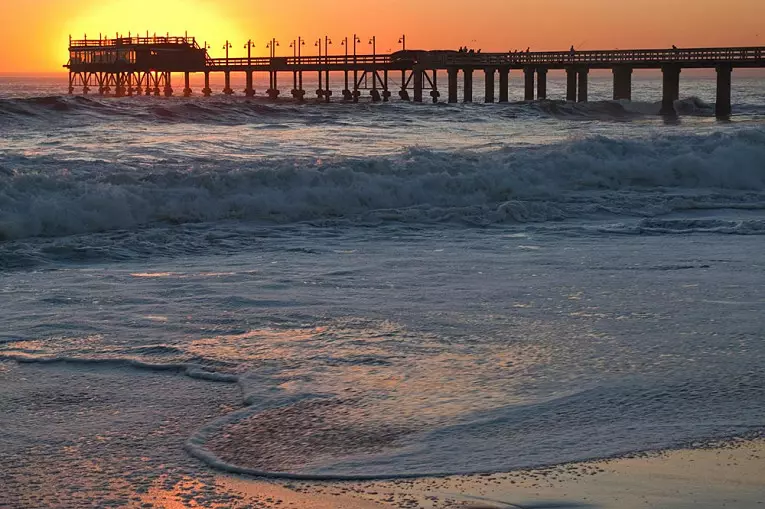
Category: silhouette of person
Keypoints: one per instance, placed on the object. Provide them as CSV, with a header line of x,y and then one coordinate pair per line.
x,y
674,47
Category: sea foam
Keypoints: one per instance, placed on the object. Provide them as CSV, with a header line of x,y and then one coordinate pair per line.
x,y
577,178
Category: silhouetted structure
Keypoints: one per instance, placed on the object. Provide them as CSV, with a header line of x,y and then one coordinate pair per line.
x,y
136,65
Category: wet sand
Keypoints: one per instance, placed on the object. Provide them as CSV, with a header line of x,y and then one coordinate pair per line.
x,y
730,475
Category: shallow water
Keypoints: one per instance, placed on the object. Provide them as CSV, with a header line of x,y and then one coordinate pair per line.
x,y
384,290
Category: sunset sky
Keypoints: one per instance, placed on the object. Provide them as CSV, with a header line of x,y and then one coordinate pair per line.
x,y
34,33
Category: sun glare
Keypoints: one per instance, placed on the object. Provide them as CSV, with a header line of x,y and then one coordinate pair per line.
x,y
204,21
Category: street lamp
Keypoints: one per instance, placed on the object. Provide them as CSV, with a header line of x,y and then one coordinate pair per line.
x,y
295,45
272,46
249,47
402,41
373,42
344,43
226,47
327,42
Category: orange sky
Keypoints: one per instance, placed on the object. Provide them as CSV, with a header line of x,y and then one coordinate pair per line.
x,y
33,33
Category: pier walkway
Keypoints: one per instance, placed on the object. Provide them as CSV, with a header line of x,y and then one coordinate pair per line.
x,y
144,65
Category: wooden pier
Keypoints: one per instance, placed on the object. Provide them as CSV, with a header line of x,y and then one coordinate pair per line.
x,y
126,66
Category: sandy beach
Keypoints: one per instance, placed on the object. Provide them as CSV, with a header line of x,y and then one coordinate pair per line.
x,y
726,475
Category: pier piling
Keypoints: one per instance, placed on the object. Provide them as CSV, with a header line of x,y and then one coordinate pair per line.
x,y
452,73
489,73
583,84
227,87
541,83
528,78
723,103
571,81
622,83
670,89
504,84
468,87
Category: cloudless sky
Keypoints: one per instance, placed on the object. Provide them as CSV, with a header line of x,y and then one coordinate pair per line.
x,y
34,33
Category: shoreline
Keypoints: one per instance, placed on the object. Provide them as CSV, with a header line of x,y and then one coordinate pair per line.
x,y
714,474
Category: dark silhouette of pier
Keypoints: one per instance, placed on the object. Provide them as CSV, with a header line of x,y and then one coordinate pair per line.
x,y
127,66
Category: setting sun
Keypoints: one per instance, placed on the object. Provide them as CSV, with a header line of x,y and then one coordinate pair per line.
x,y
201,20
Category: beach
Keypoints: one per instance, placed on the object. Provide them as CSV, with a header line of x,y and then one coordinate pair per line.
x,y
722,475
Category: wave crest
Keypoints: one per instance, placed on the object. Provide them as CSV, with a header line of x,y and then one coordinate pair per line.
x,y
579,178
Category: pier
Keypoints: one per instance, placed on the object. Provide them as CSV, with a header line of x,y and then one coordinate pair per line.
x,y
127,66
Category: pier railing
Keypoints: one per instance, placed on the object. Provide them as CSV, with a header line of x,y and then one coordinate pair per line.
x,y
444,59
331,60
602,58
133,41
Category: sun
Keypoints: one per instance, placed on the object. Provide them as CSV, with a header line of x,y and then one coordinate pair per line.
x,y
204,21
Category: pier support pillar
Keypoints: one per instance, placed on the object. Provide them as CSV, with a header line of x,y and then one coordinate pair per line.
x,y
207,91
297,92
327,91
468,91
168,85
273,89
130,89
504,82
528,77
622,83
723,106
571,84
670,89
583,74
541,83
489,79
418,83
227,87
386,93
156,84
119,89
452,78
434,93
187,87
249,90
86,83
320,90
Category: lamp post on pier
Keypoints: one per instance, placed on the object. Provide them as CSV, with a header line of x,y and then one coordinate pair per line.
x,y
207,91
402,42
249,47
227,73
346,92
249,90
273,91
272,45
295,45
226,47
373,43
297,76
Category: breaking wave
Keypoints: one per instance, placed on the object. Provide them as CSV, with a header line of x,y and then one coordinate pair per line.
x,y
587,177
238,111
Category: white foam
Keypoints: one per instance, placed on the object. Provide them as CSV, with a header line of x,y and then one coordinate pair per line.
x,y
575,178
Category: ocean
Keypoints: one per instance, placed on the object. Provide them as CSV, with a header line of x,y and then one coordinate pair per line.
x,y
339,291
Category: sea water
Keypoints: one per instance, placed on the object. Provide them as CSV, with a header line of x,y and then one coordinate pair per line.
x,y
373,290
